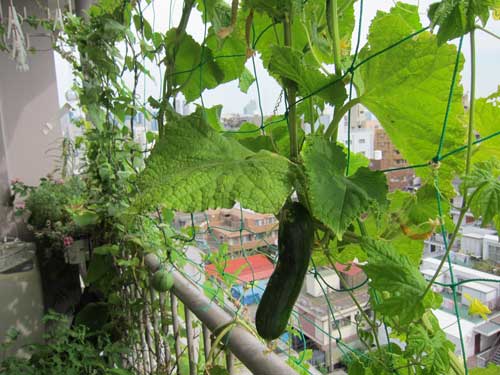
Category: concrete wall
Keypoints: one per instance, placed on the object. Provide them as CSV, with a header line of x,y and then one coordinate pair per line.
x,y
28,100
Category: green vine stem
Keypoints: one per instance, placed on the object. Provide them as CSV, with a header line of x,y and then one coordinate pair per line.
x,y
333,128
167,89
332,19
291,96
488,32
311,109
470,140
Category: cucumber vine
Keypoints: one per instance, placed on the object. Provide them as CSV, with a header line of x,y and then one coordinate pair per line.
x,y
402,75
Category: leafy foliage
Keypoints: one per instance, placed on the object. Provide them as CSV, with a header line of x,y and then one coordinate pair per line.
x,y
245,81
487,111
289,64
485,201
68,351
399,284
458,17
336,199
192,166
407,89
491,369
276,139
217,172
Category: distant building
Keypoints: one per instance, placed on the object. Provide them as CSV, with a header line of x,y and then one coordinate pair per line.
x,y
315,319
233,122
481,337
250,108
362,132
324,119
481,243
391,158
182,107
252,231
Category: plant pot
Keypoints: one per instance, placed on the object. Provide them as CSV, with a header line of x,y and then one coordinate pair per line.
x,y
60,280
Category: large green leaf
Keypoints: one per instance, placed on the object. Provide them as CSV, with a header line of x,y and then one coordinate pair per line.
x,y
193,168
407,89
410,209
217,12
485,180
313,20
274,8
289,64
245,81
275,139
268,33
399,284
187,66
458,17
337,200
433,348
486,122
229,54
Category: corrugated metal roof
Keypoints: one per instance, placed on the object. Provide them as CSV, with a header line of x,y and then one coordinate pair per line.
x,y
254,267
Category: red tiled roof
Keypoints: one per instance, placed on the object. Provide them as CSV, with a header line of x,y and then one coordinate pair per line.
x,y
260,264
349,269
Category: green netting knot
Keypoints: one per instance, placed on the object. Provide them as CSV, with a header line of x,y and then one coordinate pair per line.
x,y
435,163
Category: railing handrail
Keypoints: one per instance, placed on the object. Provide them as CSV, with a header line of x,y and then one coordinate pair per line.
x,y
244,345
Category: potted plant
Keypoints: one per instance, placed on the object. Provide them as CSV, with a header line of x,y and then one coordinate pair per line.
x,y
55,212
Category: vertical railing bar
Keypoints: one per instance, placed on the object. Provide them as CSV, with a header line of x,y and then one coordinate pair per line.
x,y
149,341
143,345
229,362
156,328
190,338
127,295
175,325
206,341
164,327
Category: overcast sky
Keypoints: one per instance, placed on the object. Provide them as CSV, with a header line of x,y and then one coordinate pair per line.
x,y
233,100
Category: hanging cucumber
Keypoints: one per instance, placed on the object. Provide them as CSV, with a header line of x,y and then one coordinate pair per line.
x,y
295,242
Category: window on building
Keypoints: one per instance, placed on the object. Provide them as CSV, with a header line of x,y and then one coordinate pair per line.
x,y
433,248
341,322
362,140
259,222
494,252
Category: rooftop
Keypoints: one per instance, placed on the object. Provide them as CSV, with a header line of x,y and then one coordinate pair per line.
x,y
340,301
254,267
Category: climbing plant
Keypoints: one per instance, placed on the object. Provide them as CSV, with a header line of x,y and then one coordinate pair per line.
x,y
407,74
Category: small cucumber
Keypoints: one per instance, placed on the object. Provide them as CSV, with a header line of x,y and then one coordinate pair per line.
x,y
162,281
295,242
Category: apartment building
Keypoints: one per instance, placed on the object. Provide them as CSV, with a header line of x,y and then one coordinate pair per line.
x,y
481,243
481,337
241,230
390,157
325,313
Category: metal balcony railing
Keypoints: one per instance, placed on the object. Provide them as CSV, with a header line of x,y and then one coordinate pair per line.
x,y
153,353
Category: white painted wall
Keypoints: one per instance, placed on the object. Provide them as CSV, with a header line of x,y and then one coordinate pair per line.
x,y
28,100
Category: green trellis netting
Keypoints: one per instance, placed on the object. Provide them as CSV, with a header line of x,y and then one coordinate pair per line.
x,y
434,163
